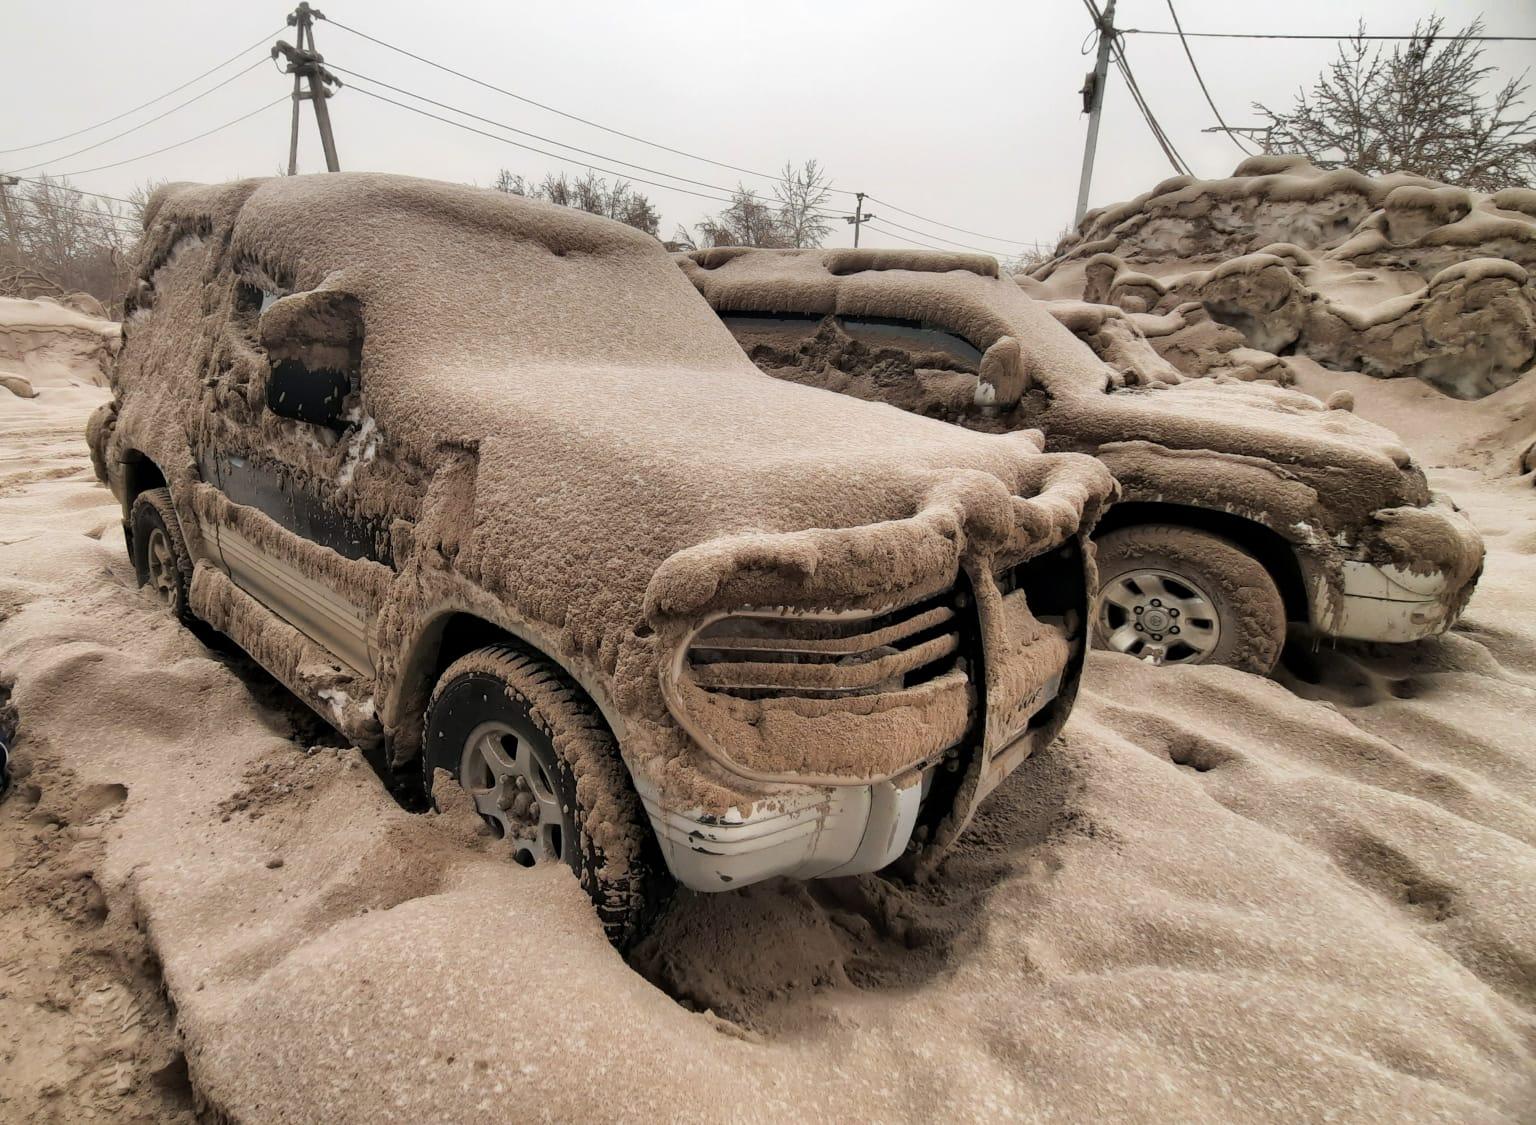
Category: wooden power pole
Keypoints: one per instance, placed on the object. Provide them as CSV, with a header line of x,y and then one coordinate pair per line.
x,y
1093,103
307,67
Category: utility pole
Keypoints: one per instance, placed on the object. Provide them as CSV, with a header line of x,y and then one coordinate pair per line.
x,y
1093,103
307,67
5,208
859,216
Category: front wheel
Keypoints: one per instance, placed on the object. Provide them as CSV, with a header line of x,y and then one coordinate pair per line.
x,y
1174,595
544,772
160,556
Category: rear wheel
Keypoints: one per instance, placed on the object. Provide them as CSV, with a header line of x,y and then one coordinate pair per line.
x,y
1174,595
544,772
160,555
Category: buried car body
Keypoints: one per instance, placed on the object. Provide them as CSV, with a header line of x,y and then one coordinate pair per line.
x,y
486,483
1243,507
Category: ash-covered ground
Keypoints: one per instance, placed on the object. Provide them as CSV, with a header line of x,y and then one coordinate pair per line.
x,y
1215,897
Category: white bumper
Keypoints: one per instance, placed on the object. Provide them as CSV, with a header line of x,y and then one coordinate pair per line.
x,y
846,830
1386,603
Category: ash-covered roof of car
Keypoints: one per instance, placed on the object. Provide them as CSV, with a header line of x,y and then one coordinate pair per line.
x,y
846,261
962,292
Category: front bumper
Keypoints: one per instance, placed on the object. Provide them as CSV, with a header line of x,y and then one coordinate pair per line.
x,y
1386,603
814,834
847,830
1413,574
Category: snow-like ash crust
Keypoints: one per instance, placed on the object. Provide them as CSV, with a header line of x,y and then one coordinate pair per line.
x,y
1392,276
547,415
47,343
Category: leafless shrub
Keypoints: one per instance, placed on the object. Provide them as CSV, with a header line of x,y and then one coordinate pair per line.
x,y
1025,261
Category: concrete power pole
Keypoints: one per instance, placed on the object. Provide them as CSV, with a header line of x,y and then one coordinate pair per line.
x,y
306,66
859,216
1093,103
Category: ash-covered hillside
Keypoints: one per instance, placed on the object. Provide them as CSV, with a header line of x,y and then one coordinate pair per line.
x,y
1390,276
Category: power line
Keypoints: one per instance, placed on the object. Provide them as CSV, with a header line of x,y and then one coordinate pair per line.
x,y
950,241
1110,35
915,241
949,226
142,124
117,220
546,140
551,109
152,101
542,152
1158,134
78,191
1266,35
178,144
616,132
892,234
1198,78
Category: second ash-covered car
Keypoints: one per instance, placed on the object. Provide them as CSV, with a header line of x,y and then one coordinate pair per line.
x,y
1245,507
487,483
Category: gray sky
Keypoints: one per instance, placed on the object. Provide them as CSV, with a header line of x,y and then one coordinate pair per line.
x,y
965,112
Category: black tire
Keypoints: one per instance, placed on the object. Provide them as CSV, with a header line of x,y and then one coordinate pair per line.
x,y
1247,610
159,551
604,835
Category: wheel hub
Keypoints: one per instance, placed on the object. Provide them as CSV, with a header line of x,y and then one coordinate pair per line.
x,y
161,564
1159,617
507,773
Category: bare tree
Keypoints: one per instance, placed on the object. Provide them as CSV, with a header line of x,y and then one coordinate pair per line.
x,y
1424,108
591,193
750,220
792,219
802,193
66,241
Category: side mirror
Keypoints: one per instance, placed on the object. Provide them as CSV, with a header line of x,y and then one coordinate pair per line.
x,y
1004,376
314,341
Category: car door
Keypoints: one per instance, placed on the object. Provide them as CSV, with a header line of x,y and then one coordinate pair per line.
x,y
291,459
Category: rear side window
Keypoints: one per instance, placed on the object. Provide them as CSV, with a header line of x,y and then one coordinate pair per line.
x,y
918,338
255,292
928,344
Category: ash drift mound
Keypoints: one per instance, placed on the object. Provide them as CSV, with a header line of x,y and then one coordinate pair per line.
x,y
45,343
1389,276
1245,903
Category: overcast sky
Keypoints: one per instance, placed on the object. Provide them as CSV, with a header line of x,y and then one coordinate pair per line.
x,y
966,111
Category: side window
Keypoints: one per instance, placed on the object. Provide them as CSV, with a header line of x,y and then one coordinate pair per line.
x,y
779,333
314,343
255,292
927,344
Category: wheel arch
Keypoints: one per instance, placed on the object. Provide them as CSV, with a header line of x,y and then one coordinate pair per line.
x,y
140,473
1276,554
448,635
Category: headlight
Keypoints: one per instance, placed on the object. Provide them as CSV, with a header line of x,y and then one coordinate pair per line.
x,y
779,653
828,697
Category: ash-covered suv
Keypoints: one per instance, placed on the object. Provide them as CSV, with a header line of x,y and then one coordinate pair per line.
x,y
1244,506
486,483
